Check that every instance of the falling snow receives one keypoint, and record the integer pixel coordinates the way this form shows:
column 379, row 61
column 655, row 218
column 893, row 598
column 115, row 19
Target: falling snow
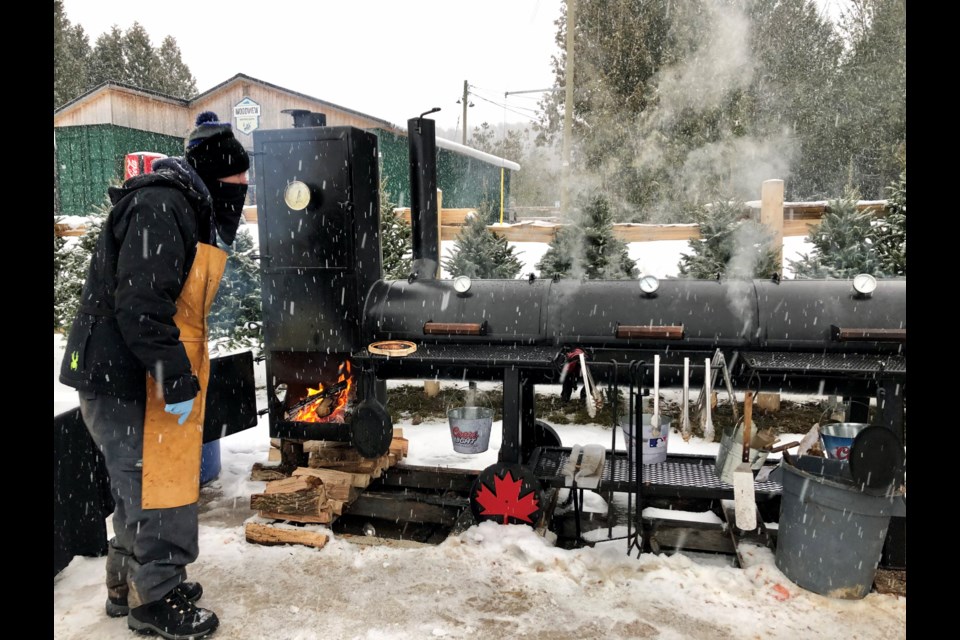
column 491, row 581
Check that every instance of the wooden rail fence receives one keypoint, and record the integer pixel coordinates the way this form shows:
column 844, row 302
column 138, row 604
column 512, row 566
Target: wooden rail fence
column 798, row 218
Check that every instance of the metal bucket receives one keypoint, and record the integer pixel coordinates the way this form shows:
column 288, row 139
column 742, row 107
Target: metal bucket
column 838, row 437
column 653, row 447
column 831, row 533
column 470, row 428
column 730, row 455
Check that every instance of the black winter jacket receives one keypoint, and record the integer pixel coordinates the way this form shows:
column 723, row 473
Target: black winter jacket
column 146, row 248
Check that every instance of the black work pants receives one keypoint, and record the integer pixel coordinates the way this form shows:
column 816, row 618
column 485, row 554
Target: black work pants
column 150, row 548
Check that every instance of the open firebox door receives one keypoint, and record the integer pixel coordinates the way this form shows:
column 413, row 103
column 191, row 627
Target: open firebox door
column 231, row 396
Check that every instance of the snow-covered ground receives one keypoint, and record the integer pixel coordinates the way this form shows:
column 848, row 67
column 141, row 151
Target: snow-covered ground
column 490, row 582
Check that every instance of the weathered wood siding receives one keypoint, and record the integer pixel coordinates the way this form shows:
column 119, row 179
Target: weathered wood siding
column 128, row 108
column 125, row 107
column 272, row 104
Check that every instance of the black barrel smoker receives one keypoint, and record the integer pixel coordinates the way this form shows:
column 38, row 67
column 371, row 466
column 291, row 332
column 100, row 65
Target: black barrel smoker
column 324, row 302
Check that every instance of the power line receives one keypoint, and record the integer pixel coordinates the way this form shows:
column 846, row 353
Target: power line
column 505, row 107
column 531, row 109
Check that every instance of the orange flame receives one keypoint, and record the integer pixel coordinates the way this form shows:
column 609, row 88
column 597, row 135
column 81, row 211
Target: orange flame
column 310, row 413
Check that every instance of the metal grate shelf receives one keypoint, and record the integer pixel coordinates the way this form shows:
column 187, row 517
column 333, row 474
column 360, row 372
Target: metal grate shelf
column 836, row 363
column 678, row 476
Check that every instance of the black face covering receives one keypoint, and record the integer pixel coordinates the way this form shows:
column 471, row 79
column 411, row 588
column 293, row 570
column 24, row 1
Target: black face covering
column 228, row 201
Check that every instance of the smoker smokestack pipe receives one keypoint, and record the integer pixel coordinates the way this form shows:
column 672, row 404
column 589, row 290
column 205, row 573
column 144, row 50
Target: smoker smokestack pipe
column 307, row 118
column 423, row 197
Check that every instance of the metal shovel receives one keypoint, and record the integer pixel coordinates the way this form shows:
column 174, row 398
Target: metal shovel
column 743, row 490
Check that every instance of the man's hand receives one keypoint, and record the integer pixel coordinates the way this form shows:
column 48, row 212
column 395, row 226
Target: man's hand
column 181, row 409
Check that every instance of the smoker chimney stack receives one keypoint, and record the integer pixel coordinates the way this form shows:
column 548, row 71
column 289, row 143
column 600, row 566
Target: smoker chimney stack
column 307, row 118
column 424, row 215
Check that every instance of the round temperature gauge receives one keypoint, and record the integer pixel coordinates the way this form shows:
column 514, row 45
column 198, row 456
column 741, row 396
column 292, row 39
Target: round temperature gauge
column 461, row 284
column 864, row 283
column 297, row 195
column 649, row 284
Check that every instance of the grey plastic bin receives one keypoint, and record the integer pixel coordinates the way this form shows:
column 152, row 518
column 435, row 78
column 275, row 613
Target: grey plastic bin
column 831, row 533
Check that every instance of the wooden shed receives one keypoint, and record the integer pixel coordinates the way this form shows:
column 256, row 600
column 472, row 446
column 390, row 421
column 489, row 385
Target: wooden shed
column 94, row 132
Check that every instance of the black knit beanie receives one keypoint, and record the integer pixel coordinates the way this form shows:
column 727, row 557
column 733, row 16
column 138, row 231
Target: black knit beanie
column 213, row 150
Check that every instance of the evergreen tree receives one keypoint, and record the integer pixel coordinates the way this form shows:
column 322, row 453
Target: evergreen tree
column 589, row 249
column 509, row 145
column 673, row 100
column 843, row 243
column 71, row 51
column 560, row 260
column 173, row 77
column 871, row 100
column 238, row 301
column 141, row 68
column 479, row 253
column 605, row 256
column 797, row 54
column 729, row 245
column 58, row 264
column 396, row 239
column 106, row 62
column 891, row 232
column 127, row 58
column 70, row 269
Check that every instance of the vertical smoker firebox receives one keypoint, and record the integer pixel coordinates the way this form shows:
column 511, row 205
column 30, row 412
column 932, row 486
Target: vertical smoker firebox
column 319, row 227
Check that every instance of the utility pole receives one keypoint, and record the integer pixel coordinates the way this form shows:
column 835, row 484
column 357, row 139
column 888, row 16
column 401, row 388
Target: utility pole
column 465, row 94
column 568, row 107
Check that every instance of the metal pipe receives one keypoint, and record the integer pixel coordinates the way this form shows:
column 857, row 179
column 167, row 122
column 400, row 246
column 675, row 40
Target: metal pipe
column 424, row 215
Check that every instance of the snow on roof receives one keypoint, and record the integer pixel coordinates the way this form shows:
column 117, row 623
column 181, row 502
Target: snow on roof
column 497, row 161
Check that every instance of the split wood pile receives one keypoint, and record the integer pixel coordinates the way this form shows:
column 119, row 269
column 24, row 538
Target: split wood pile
column 336, row 475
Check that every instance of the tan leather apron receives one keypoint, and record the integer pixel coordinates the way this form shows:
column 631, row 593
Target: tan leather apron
column 171, row 451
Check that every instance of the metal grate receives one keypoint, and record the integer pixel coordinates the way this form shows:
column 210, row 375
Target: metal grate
column 826, row 362
column 679, row 475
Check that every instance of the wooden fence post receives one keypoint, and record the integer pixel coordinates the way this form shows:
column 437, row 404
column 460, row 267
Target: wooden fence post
column 771, row 214
column 439, row 232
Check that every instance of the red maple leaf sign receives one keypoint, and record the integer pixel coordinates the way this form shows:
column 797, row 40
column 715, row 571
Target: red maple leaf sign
column 505, row 499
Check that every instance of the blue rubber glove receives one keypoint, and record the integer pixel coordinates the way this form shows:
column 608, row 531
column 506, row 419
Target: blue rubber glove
column 181, row 409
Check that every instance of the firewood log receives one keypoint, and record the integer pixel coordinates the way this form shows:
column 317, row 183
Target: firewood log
column 268, row 535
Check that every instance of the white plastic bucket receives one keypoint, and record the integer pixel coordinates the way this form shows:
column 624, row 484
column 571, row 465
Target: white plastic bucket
column 653, row 448
column 470, row 428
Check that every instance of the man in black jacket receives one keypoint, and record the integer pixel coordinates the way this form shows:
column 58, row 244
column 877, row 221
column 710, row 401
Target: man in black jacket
column 137, row 355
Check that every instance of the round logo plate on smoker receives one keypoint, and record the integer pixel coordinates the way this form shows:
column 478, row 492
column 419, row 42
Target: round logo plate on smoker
column 506, row 494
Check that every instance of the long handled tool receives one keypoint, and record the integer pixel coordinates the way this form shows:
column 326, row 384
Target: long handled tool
column 685, row 416
column 594, row 395
column 655, row 416
column 708, row 399
column 743, row 490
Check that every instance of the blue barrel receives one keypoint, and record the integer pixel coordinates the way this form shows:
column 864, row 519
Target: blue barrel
column 210, row 462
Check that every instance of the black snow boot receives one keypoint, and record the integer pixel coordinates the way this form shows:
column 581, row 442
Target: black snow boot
column 173, row 617
column 117, row 607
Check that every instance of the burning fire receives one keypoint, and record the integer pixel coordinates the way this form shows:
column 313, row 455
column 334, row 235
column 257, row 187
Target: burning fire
column 328, row 407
